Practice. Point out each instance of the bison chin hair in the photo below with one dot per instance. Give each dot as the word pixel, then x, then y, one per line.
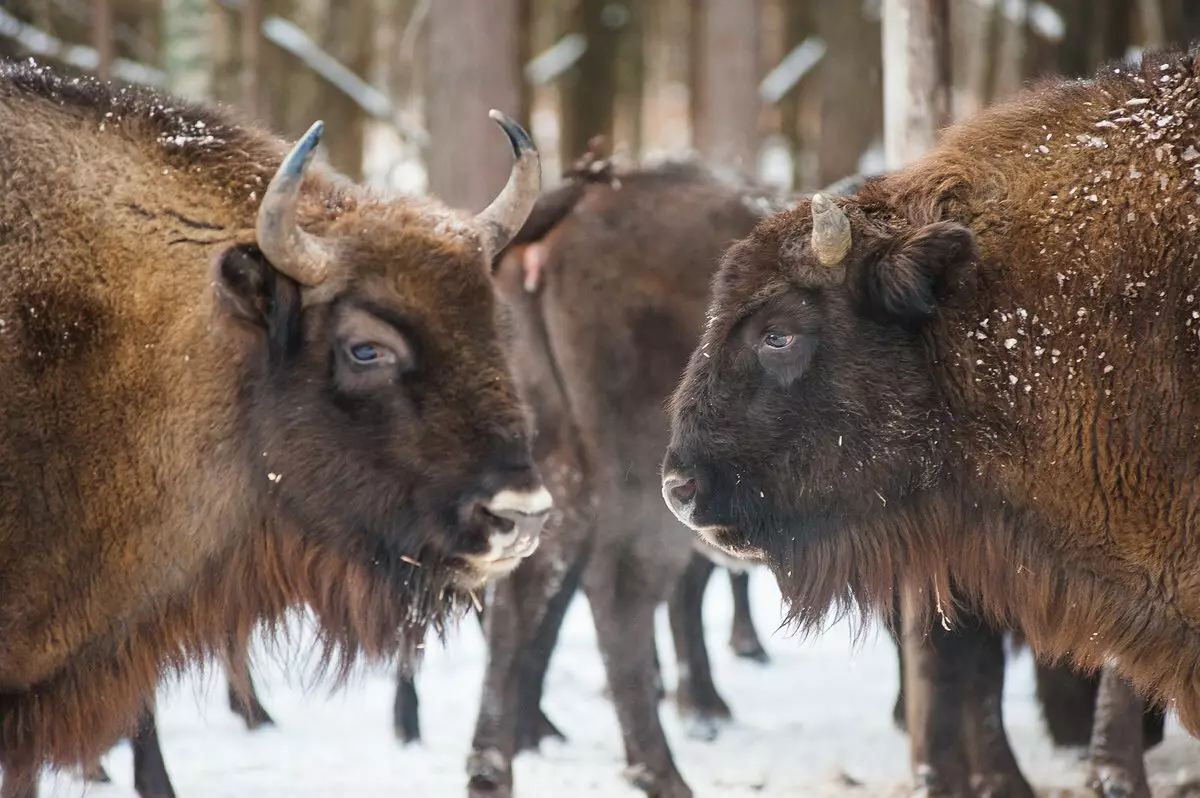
pixel 1006 562
pixel 275 573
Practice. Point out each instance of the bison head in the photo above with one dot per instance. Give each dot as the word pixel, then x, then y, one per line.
pixel 383 422
pixel 810 411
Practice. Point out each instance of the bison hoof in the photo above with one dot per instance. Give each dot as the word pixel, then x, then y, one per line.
pixel 702 720
pixel 640 777
pixel 929 783
pixel 749 647
pixel 704 728
pixel 1002 785
pixel 489 774
pixel 1119 783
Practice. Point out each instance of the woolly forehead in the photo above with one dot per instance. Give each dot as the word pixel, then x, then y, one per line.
pixel 775 258
pixel 411 250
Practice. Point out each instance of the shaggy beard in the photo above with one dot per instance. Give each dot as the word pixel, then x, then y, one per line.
pixel 361 609
pixel 1004 564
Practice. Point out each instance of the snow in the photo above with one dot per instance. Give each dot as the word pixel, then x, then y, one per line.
pixel 818 713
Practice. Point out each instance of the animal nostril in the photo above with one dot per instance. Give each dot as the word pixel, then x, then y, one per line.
pixel 685 492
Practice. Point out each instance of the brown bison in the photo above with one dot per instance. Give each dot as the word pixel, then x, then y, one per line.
pixel 607 282
pixel 981 368
pixel 232 384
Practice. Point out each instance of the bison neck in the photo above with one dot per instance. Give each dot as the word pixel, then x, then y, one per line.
pixel 1072 369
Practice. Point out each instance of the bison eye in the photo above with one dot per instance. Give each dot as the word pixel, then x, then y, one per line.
pixel 778 340
pixel 367 354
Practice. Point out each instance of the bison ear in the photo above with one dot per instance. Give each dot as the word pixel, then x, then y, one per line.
pixel 917 270
pixel 253 292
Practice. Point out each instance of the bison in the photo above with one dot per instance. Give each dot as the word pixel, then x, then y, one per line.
pixel 608 285
pixel 232 384
pixel 981 368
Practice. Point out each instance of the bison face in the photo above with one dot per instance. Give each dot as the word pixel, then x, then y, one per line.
pixel 385 420
pixel 810 406
pixel 381 415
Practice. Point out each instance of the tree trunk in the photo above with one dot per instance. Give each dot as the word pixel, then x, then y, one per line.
pixel 345 34
pixel 631 79
pixel 102 36
pixel 725 102
pixel 852 68
pixel 590 88
pixel 188 52
pixel 916 76
pixel 251 50
pixel 472 68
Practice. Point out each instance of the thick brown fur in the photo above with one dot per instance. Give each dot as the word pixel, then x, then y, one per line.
pixel 998 386
pixel 626 254
pixel 176 462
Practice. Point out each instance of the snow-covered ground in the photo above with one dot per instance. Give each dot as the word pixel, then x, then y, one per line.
pixel 816 721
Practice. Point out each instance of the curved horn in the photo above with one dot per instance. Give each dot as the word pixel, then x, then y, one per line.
pixel 302 256
pixel 503 218
pixel 831 231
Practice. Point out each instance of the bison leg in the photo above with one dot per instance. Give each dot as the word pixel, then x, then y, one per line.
pixel 701 708
pixel 934 690
pixel 243 697
pixel 150 777
pixel 489 766
pixel 516 616
pixel 623 599
pixel 995 773
pixel 743 637
pixel 894 628
pixel 1068 702
pixel 406 720
pixel 1116 764
pixel 532 724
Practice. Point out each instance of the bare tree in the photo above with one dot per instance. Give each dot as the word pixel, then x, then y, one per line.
pixel 188 60
pixel 725 104
pixel 850 77
pixel 102 36
pixel 589 90
pixel 473 67
pixel 916 96
pixel 251 51
pixel 916 76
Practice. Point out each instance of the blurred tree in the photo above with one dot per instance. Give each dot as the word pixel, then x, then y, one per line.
pixel 850 76
pixel 343 30
pixel 589 89
pixel 916 68
pixel 725 76
pixel 188 58
pixel 102 36
pixel 472 67
pixel 631 77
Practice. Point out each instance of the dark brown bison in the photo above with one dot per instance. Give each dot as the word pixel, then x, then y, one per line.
pixel 232 384
pixel 607 283
pixel 979 368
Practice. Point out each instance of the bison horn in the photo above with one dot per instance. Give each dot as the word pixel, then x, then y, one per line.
pixel 302 256
pixel 831 231
pixel 504 217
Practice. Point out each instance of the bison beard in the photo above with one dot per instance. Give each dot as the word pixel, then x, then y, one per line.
pixel 234 386
pixel 995 384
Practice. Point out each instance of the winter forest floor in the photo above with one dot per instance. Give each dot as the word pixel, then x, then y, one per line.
pixel 816 721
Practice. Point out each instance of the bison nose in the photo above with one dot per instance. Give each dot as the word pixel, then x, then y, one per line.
pixel 679 492
pixel 513 520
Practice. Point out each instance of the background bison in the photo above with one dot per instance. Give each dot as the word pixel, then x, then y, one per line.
pixel 231 386
pixel 945 377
